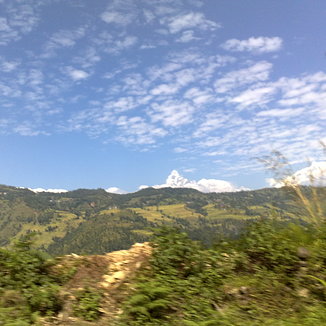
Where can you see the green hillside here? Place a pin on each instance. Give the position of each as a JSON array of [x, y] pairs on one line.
[[261, 258], [273, 275], [94, 221]]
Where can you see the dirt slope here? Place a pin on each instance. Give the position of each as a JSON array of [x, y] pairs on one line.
[[109, 274]]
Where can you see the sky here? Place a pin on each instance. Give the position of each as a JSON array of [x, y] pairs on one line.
[[119, 93]]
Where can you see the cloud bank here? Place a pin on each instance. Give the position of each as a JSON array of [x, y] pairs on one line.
[[115, 190], [57, 191], [256, 45], [315, 175], [175, 180]]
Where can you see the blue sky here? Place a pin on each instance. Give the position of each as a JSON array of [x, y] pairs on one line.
[[119, 93]]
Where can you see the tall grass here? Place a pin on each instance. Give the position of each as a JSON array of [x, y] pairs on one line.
[[309, 197]]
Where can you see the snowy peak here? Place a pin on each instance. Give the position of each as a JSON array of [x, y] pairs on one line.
[[175, 180], [314, 175]]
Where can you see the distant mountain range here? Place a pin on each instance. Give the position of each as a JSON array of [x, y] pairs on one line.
[[95, 221], [314, 174], [175, 180]]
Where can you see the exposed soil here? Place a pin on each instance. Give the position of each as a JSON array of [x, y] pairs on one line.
[[109, 274]]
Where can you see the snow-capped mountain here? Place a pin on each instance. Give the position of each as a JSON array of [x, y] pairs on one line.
[[175, 180], [315, 175]]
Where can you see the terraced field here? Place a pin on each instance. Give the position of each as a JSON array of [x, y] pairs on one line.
[[46, 233], [214, 213], [94, 221], [164, 212]]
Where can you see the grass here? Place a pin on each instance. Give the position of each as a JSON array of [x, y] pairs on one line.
[[179, 211], [109, 211], [63, 222], [253, 281], [166, 212], [214, 213], [150, 213]]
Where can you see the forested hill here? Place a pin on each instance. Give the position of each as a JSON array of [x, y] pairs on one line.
[[95, 221]]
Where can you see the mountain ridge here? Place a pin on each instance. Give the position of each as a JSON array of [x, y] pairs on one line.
[[95, 221]]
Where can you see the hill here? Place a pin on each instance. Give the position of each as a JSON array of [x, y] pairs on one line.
[[95, 221], [273, 275]]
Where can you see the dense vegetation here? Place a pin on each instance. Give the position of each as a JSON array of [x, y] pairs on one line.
[[273, 275], [114, 222], [261, 258], [27, 288]]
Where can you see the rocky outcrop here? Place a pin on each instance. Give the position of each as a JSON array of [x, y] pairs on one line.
[[110, 274], [124, 264]]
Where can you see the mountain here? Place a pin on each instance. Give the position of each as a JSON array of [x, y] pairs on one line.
[[95, 221], [314, 174], [175, 180], [273, 276]]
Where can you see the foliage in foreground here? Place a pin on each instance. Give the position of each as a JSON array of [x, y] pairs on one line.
[[27, 289], [87, 305], [273, 275]]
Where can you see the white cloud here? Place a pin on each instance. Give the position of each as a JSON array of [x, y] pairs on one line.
[[213, 121], [211, 141], [314, 175], [190, 170], [188, 21], [146, 101], [88, 58], [256, 45], [164, 89], [25, 129], [148, 15], [62, 39], [257, 96], [4, 27], [8, 66], [187, 36], [19, 18], [115, 44], [136, 131], [58, 191], [199, 96], [185, 76], [280, 113], [304, 91], [147, 46], [76, 74], [256, 73], [125, 43], [115, 190], [121, 104], [180, 150], [172, 113], [164, 72], [119, 18], [175, 180]]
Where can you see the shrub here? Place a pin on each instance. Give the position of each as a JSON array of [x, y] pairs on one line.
[[26, 285], [88, 303]]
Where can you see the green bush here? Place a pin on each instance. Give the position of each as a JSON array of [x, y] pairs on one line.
[[150, 303], [88, 304], [273, 275], [27, 287]]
